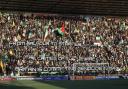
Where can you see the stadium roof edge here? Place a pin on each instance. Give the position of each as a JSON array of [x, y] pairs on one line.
[[81, 7]]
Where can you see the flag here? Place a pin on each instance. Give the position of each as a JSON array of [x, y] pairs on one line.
[[13, 24], [1, 65], [60, 31], [76, 30], [15, 39], [5, 57], [43, 56], [18, 37], [11, 52], [47, 30]]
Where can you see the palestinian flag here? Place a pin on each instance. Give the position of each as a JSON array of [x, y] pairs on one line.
[[60, 31]]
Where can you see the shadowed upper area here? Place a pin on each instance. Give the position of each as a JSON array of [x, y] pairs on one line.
[[90, 7]]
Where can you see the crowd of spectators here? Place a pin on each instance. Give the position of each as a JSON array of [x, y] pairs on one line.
[[87, 39]]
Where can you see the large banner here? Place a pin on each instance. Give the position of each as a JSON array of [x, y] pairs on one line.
[[82, 77], [107, 77], [93, 66], [103, 77], [44, 78], [7, 79]]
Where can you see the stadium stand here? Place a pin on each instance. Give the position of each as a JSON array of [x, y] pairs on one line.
[[36, 41]]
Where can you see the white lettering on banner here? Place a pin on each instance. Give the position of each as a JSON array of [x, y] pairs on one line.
[[26, 69], [49, 43], [93, 66], [96, 68], [29, 78]]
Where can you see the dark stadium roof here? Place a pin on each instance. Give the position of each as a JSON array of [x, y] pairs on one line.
[[86, 7]]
